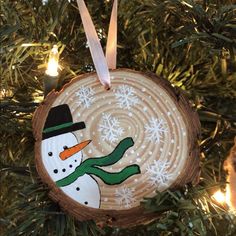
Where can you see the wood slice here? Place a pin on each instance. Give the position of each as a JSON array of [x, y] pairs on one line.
[[142, 132]]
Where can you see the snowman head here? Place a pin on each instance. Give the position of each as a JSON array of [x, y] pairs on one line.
[[61, 151]]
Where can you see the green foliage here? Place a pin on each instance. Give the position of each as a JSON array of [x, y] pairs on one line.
[[190, 43]]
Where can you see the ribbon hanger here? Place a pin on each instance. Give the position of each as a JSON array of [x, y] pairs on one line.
[[102, 64]]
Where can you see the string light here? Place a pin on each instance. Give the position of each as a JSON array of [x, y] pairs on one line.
[[53, 62], [224, 199], [229, 200], [220, 197]]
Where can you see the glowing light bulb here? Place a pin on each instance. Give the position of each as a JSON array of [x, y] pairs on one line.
[[230, 200], [219, 197], [53, 62], [228, 195]]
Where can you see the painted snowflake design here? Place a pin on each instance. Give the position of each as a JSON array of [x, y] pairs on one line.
[[110, 128], [126, 97], [125, 196], [155, 130], [158, 173], [85, 95]]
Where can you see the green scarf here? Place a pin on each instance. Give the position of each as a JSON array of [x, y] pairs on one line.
[[90, 167]]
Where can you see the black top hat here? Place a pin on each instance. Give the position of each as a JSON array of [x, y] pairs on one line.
[[59, 121]]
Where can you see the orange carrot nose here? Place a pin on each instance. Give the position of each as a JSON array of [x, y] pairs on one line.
[[71, 151]]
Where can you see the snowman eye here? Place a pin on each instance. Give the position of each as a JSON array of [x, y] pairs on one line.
[[50, 154], [65, 147]]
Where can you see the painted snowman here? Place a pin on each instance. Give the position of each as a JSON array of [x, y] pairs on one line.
[[62, 157], [62, 154]]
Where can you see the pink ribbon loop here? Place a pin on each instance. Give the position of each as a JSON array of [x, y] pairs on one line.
[[101, 63], [111, 46]]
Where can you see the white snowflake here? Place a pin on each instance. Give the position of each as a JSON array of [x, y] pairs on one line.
[[124, 196], [110, 128], [159, 175], [85, 95], [126, 96], [155, 130]]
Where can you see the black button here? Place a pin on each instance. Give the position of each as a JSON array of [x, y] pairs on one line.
[[86, 203], [77, 188], [75, 160], [64, 170], [70, 166], [55, 171]]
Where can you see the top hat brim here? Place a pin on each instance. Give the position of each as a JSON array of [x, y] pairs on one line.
[[73, 127]]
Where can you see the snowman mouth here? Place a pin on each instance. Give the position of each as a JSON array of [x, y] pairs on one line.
[[73, 150]]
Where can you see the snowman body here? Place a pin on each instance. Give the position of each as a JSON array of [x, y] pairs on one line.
[[85, 189]]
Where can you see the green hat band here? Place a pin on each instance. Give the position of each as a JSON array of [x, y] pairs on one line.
[[57, 127]]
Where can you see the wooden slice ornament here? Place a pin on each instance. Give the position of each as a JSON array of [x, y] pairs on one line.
[[103, 151]]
